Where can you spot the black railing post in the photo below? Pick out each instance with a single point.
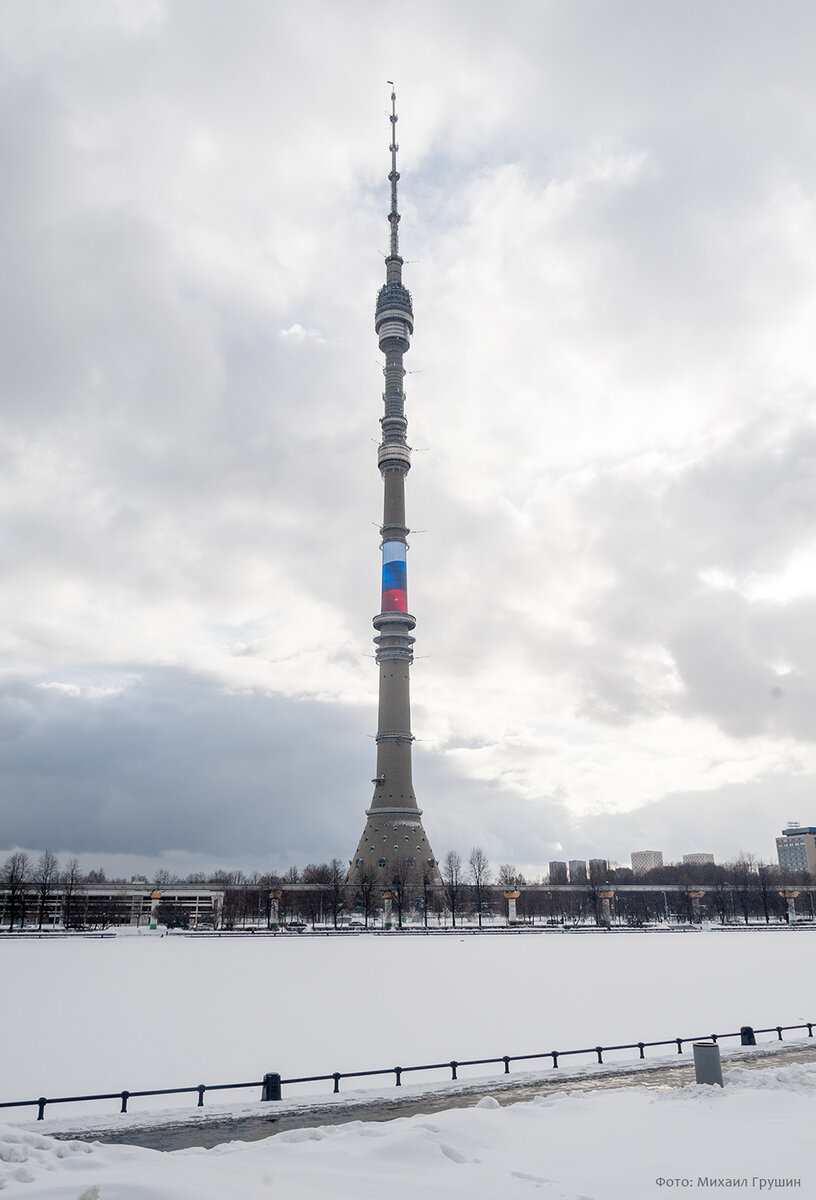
(125, 1097)
(271, 1087)
(810, 1029)
(598, 1051)
(453, 1067)
(398, 1073)
(555, 1058)
(201, 1089)
(41, 1103)
(506, 1064)
(336, 1078)
(679, 1045)
(640, 1046)
(779, 1031)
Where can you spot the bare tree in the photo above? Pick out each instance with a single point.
(767, 888)
(45, 877)
(14, 878)
(367, 891)
(509, 877)
(288, 901)
(401, 877)
(220, 878)
(479, 869)
(71, 880)
(452, 882)
(426, 897)
(318, 874)
(722, 895)
(173, 915)
(337, 888)
(743, 878)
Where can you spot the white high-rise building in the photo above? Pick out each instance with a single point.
(646, 860)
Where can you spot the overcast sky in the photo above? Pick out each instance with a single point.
(609, 227)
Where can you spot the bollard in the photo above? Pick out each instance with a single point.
(747, 1036)
(271, 1089)
(707, 1065)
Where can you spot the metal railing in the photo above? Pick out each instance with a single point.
(272, 1083)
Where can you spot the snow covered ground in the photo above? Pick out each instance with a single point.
(93, 1015)
(753, 1137)
(98, 1015)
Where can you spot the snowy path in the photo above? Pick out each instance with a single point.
(254, 1122)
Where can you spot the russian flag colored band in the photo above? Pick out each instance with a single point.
(394, 578)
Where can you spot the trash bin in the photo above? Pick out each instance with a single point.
(707, 1065)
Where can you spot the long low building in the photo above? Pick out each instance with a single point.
(96, 905)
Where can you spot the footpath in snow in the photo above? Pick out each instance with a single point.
(175, 1129)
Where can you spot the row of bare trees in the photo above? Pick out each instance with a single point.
(470, 890)
(27, 883)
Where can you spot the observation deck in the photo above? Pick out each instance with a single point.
(394, 317)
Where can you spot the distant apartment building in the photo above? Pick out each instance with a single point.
(646, 860)
(558, 872)
(598, 870)
(796, 849)
(577, 870)
(697, 860)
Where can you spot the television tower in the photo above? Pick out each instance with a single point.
(394, 840)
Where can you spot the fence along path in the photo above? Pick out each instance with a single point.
(271, 1084)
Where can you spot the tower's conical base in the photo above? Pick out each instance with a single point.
(394, 845)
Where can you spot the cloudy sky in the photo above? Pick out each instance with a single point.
(609, 226)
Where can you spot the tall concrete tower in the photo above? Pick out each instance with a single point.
(393, 840)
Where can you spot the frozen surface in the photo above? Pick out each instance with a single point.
(94, 1015)
(613, 1145)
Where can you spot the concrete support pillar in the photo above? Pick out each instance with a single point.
(511, 898)
(274, 909)
(790, 896)
(605, 898)
(695, 898)
(155, 901)
(387, 898)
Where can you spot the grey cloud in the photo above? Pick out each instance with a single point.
(743, 509)
(174, 763)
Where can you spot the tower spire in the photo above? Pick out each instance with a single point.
(393, 216)
(394, 844)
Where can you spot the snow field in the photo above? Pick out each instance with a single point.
(95, 1015)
